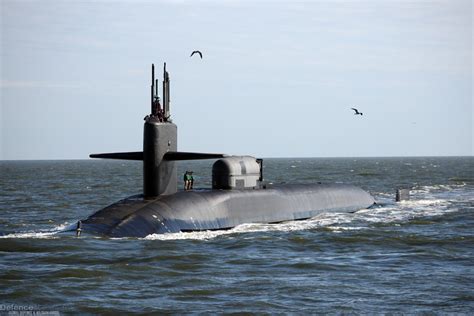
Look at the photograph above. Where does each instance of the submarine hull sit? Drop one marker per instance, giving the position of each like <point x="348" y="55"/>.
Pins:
<point x="201" y="210"/>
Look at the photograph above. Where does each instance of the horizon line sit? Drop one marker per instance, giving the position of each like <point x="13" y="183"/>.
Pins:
<point x="287" y="157"/>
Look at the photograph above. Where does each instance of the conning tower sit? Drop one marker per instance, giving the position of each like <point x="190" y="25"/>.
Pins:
<point x="159" y="138"/>
<point x="160" y="145"/>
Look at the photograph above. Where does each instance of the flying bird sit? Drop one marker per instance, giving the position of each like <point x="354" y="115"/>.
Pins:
<point x="196" y="52"/>
<point x="357" y="112"/>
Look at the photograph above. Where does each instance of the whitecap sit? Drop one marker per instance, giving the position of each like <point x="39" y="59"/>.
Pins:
<point x="47" y="234"/>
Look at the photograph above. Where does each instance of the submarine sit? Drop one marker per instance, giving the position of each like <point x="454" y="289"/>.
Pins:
<point x="238" y="195"/>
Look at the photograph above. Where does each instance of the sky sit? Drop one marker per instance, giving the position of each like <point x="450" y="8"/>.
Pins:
<point x="277" y="78"/>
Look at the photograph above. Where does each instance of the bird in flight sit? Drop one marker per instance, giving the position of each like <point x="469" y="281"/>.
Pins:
<point x="357" y="112"/>
<point x="196" y="52"/>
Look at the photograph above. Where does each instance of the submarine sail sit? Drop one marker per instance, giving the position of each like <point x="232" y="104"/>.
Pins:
<point x="238" y="194"/>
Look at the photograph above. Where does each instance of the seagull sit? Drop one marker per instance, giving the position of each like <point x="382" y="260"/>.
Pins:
<point x="357" y="112"/>
<point x="196" y="52"/>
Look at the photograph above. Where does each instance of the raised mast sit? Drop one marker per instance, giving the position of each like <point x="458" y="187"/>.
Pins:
<point x="166" y="94"/>
<point x="152" y="96"/>
<point x="156" y="110"/>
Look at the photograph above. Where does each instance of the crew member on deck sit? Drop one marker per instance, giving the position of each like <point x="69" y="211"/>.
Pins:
<point x="188" y="180"/>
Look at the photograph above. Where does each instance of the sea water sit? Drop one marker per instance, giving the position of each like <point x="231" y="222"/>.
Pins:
<point x="412" y="256"/>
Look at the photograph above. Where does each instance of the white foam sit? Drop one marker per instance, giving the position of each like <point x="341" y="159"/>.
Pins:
<point x="49" y="234"/>
<point x="340" y="229"/>
<point x="316" y="222"/>
<point x="436" y="188"/>
<point x="31" y="235"/>
<point x="406" y="210"/>
<point x="201" y="235"/>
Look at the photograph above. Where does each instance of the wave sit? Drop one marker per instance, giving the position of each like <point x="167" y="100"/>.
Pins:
<point x="463" y="180"/>
<point x="46" y="234"/>
<point x="368" y="174"/>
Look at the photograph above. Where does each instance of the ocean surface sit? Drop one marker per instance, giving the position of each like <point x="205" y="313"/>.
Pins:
<point x="414" y="256"/>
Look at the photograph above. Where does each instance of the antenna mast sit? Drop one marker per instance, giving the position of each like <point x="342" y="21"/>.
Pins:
<point x="152" y="87"/>
<point x="166" y="94"/>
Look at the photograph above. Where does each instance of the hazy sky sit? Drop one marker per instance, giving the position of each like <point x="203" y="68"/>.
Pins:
<point x="278" y="78"/>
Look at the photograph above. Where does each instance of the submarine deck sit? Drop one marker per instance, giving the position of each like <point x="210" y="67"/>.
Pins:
<point x="207" y="209"/>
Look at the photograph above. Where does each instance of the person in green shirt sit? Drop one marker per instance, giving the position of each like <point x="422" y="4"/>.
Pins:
<point x="188" y="180"/>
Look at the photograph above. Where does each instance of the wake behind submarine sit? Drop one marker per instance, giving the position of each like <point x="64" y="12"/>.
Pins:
<point x="238" y="194"/>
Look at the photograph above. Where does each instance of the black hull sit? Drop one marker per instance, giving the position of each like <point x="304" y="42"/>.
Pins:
<point x="202" y="210"/>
